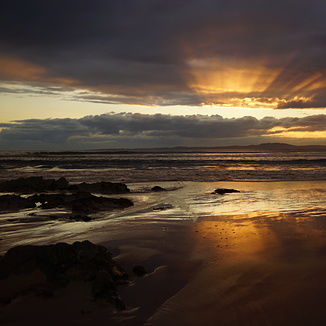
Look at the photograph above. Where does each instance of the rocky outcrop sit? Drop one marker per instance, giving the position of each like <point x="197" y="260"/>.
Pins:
<point x="158" y="189"/>
<point x="33" y="184"/>
<point x="14" y="203"/>
<point x="222" y="191"/>
<point x="139" y="271"/>
<point x="81" y="202"/>
<point x="63" y="263"/>
<point x="100" y="187"/>
<point x="38" y="184"/>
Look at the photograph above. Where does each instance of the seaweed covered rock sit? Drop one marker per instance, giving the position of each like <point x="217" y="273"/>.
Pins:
<point x="33" y="184"/>
<point x="80" y="202"/>
<point x="14" y="202"/>
<point x="222" y="191"/>
<point x="100" y="187"/>
<point x="39" y="184"/>
<point x="158" y="189"/>
<point x="139" y="270"/>
<point x="63" y="263"/>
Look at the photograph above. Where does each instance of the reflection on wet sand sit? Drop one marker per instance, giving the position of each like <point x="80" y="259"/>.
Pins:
<point x="251" y="258"/>
<point x="260" y="269"/>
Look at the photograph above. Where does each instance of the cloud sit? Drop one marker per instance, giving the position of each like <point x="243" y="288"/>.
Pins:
<point x="141" y="52"/>
<point x="46" y="131"/>
<point x="137" y="130"/>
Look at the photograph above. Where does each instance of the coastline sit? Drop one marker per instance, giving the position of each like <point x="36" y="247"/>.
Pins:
<point x="253" y="258"/>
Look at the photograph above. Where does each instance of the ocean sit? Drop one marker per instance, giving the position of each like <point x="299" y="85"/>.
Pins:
<point x="147" y="167"/>
<point x="254" y="257"/>
<point x="269" y="183"/>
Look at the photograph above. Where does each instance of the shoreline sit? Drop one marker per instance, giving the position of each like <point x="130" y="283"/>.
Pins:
<point x="252" y="258"/>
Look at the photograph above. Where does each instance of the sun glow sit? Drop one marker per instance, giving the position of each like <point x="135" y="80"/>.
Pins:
<point x="295" y="132"/>
<point x="231" y="82"/>
<point x="228" y="82"/>
<point x="220" y="76"/>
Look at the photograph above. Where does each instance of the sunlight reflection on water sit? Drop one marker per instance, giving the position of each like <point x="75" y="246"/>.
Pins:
<point x="261" y="266"/>
<point x="189" y="201"/>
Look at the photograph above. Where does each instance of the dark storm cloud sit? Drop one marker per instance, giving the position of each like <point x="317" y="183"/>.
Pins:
<point x="138" y="50"/>
<point x="158" y="127"/>
<point x="47" y="131"/>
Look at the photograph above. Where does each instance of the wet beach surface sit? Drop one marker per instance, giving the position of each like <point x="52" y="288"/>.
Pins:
<point x="251" y="258"/>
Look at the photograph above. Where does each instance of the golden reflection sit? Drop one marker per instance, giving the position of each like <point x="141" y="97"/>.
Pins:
<point x="247" y="239"/>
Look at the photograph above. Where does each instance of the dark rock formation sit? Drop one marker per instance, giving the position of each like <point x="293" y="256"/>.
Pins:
<point x="33" y="184"/>
<point x="81" y="202"/>
<point x="13" y="203"/>
<point x="63" y="263"/>
<point x="158" y="188"/>
<point x="38" y="184"/>
<point x="139" y="270"/>
<point x="162" y="207"/>
<point x="222" y="191"/>
<point x="52" y="217"/>
<point x="61" y="184"/>
<point x="100" y="187"/>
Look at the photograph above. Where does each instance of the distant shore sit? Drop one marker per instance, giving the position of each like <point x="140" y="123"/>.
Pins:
<point x="273" y="147"/>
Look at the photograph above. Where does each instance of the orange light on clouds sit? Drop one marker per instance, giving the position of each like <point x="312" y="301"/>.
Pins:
<point x="228" y="82"/>
<point x="316" y="81"/>
<point x="220" y="76"/>
<point x="295" y="132"/>
<point x="12" y="68"/>
<point x="21" y="70"/>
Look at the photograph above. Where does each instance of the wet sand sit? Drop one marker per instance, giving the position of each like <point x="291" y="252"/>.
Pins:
<point x="252" y="275"/>
<point x="255" y="268"/>
<point x="236" y="270"/>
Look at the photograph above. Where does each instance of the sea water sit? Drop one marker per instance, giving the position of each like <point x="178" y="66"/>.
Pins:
<point x="268" y="182"/>
<point x="261" y="250"/>
<point x="146" y="167"/>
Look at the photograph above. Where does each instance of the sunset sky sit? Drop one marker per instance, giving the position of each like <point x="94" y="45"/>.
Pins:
<point x="79" y="74"/>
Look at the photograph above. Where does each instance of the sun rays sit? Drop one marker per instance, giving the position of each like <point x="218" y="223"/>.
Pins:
<point x="228" y="82"/>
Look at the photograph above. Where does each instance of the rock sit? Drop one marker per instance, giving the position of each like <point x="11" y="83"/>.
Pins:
<point x="27" y="185"/>
<point x="79" y="218"/>
<point x="63" y="263"/>
<point x="158" y="188"/>
<point x="139" y="270"/>
<point x="222" y="191"/>
<point x="61" y="184"/>
<point x="13" y="203"/>
<point x="101" y="187"/>
<point x="81" y="202"/>
<point x="38" y="184"/>
<point x="162" y="207"/>
<point x="103" y="284"/>
<point x="5" y="300"/>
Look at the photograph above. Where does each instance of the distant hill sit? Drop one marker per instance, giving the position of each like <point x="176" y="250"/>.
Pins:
<point x="273" y="147"/>
<point x="269" y="147"/>
<point x="281" y="147"/>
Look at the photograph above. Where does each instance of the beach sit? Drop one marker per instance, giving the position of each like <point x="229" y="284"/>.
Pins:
<point x="250" y="258"/>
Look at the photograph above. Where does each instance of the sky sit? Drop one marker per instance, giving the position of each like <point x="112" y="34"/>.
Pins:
<point x="80" y="74"/>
